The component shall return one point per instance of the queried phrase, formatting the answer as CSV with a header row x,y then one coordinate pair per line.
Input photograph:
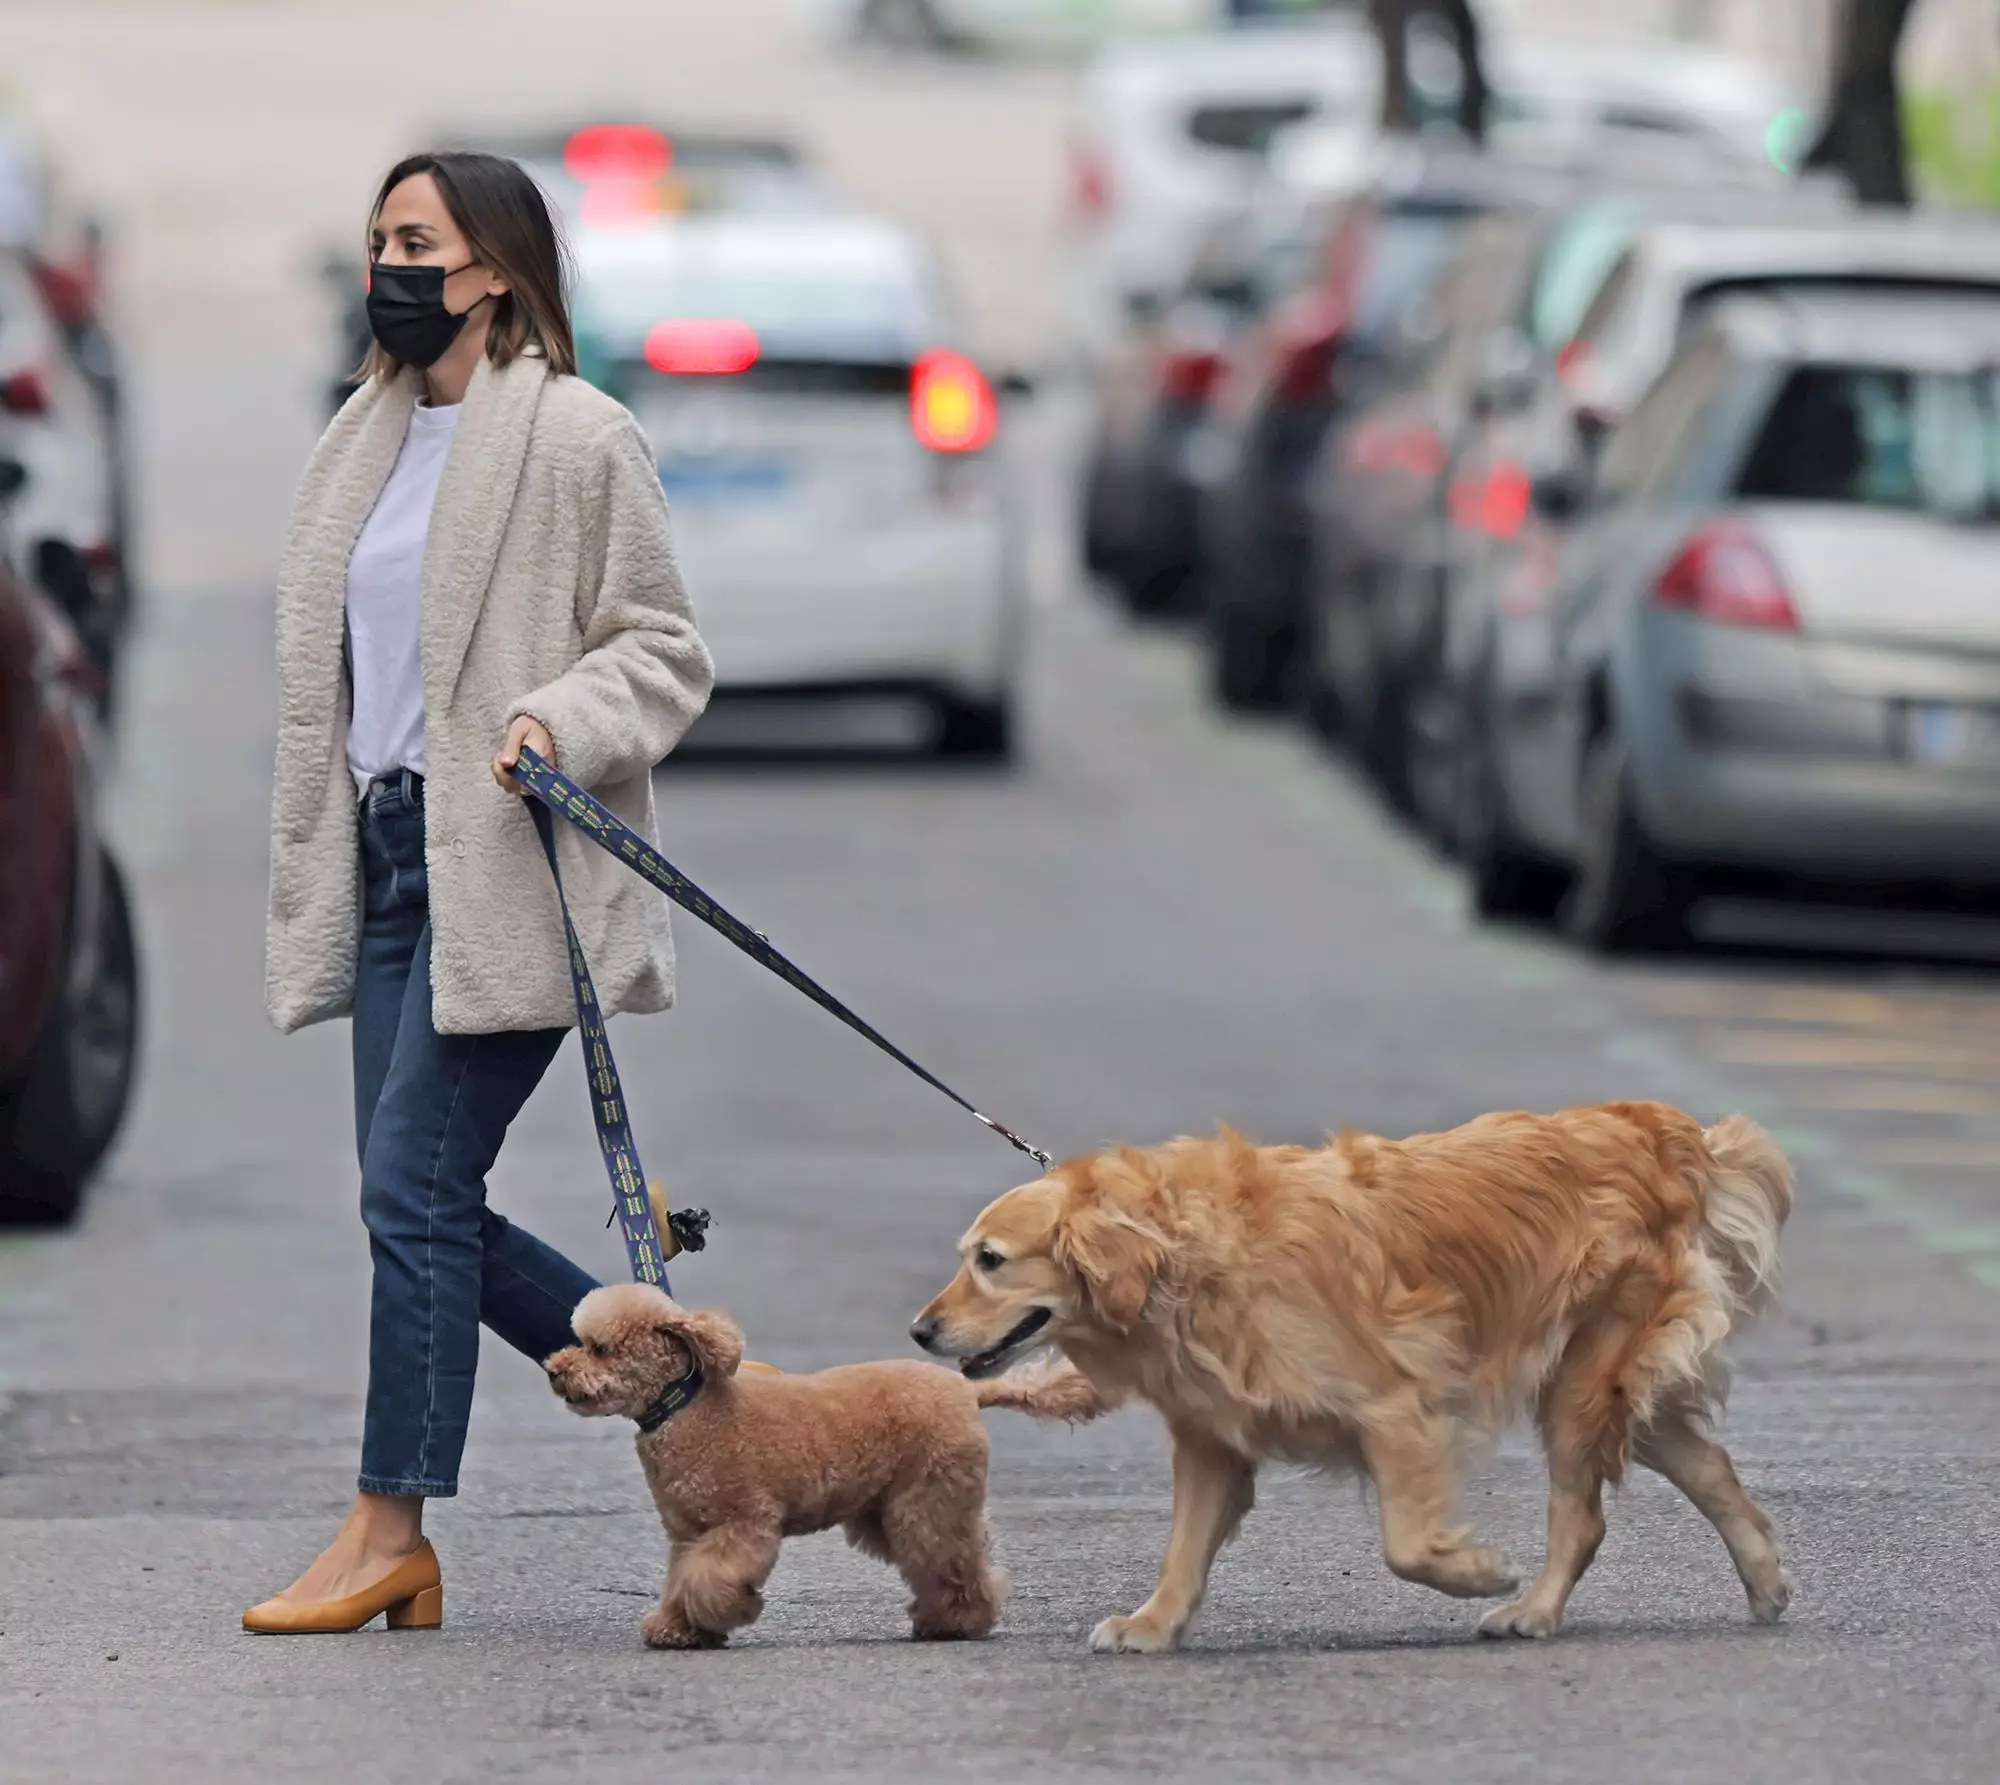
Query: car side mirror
x,y
1016,384
1144,306
1592,425
1559,495
13,478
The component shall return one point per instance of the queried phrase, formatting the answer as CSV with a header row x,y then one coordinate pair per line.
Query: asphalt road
x,y
1160,921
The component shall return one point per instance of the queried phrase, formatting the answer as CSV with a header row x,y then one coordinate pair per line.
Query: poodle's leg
x,y
714,1585
1414,1464
1585,1419
1678,1447
865,1533
1213,1489
935,1533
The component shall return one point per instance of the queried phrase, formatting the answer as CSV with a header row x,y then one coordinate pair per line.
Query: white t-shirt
x,y
385,580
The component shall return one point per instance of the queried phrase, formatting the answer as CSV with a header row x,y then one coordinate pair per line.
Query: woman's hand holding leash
x,y
525,730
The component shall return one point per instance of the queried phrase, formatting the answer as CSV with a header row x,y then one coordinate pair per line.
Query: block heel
x,y
421,1611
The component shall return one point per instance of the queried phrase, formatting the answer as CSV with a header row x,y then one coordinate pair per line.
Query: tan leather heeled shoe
x,y
412,1593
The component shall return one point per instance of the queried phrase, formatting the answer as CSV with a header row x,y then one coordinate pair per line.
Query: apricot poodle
x,y
893,1453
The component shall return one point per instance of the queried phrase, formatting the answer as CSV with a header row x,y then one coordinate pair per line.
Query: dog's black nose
x,y
924,1329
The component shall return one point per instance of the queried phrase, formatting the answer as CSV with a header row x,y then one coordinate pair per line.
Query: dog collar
x,y
672,1399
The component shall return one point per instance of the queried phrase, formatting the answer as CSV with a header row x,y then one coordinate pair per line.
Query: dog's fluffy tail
x,y
1054,1389
1747,1196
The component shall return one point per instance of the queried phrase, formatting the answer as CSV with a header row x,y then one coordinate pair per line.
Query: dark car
x,y
608,175
69,982
1153,391
1320,354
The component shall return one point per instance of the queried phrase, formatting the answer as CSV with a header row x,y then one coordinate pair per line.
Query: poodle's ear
x,y
715,1340
1115,1257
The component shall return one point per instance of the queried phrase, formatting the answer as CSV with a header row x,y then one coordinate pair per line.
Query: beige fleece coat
x,y
549,588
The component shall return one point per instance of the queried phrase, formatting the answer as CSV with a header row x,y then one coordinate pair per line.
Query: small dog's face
x,y
1051,1259
633,1342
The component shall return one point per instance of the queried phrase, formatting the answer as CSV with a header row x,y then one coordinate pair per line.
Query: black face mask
x,y
406,312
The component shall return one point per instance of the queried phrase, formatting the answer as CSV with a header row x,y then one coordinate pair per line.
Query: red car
x,y
69,980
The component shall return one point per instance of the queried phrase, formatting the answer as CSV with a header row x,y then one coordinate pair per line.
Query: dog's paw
x,y
669,1630
1520,1619
1768,1599
1130,1636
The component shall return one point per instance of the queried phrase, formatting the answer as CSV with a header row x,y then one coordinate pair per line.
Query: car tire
x,y
1250,658
975,730
1508,882
1627,897
58,1121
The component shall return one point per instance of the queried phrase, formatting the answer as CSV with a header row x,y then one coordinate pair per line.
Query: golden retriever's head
x,y
633,1341
1074,1253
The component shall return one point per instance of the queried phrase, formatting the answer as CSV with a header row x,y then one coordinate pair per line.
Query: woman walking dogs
x,y
479,559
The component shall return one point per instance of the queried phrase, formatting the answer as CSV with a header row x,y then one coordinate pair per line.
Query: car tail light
x,y
1496,505
25,393
1305,370
1724,574
621,152
1188,374
1090,183
1573,362
69,291
951,404
701,347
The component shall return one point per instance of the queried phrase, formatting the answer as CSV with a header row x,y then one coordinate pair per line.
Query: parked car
x,y
827,444
1355,323
1658,286
69,978
1774,655
1507,312
1153,390
1170,139
999,24
64,525
609,176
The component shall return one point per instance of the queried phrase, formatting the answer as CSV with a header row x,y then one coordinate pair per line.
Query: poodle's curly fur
x,y
893,1453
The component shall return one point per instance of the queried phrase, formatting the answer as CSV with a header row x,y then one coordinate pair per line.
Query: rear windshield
x,y
805,314
1246,127
1928,442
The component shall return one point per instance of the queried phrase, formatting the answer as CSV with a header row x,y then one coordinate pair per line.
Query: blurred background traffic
x,y
1582,420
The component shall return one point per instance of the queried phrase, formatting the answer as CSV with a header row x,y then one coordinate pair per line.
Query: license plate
x,y
1955,736
720,481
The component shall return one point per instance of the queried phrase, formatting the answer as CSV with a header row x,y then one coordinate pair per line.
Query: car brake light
x,y
951,404
1090,183
1724,574
1572,362
1187,375
701,347
68,291
25,393
1496,505
621,152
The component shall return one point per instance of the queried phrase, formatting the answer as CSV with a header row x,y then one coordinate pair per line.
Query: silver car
x,y
1774,649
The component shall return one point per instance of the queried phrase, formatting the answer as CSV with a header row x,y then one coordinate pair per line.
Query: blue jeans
x,y
430,1112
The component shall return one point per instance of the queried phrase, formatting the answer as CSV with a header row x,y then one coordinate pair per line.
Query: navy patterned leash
x,y
631,1206
555,792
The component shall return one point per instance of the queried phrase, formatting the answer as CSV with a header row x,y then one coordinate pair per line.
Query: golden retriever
x,y
739,1456
1390,1306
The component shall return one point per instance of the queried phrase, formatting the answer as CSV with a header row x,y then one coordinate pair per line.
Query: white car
x,y
1024,24
1170,139
827,448
62,531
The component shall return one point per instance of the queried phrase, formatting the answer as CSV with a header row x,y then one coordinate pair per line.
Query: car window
x,y
1246,127
807,312
1646,450
1881,437
1407,251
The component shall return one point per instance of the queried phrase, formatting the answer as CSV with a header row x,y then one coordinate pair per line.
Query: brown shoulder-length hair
x,y
506,222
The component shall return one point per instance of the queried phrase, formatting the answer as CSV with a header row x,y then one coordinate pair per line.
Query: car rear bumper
x,y
938,612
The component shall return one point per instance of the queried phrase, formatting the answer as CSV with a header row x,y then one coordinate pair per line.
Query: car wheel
x,y
1506,880
975,730
1250,658
1627,897
58,1121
